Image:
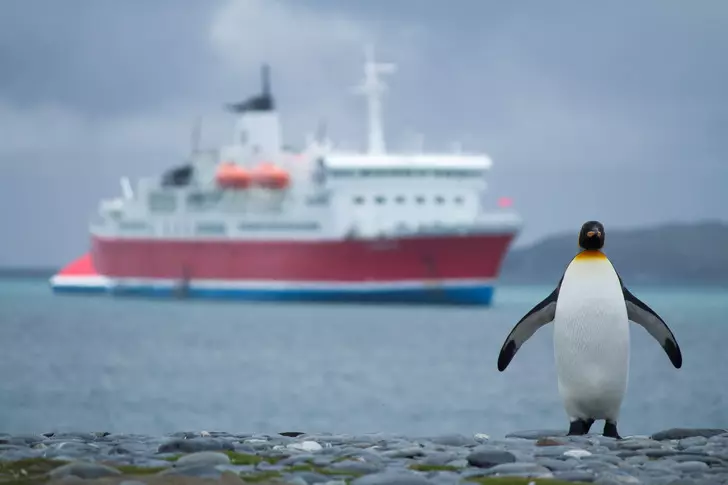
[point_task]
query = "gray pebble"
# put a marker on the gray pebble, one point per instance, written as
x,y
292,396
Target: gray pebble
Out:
x,y
521,469
312,477
454,440
208,458
682,433
575,476
392,478
487,459
410,452
356,467
199,471
387,459
438,458
690,466
616,478
692,441
639,444
195,444
82,469
537,434
557,465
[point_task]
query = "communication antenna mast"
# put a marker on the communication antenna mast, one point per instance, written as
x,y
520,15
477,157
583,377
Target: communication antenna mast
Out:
x,y
372,87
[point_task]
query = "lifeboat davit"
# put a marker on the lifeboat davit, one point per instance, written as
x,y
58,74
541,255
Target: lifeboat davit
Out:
x,y
270,176
231,176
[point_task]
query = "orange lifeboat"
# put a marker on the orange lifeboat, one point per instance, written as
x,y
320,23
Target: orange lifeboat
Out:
x,y
270,176
231,176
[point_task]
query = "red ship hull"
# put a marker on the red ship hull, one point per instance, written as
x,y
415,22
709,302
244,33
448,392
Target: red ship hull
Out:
x,y
458,269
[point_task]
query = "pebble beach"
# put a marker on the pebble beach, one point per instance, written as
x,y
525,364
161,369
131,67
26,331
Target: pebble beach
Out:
x,y
675,456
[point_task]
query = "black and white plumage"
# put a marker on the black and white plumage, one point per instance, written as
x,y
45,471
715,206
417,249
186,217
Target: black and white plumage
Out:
x,y
590,308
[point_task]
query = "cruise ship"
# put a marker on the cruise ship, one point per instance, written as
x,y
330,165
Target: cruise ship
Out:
x,y
256,221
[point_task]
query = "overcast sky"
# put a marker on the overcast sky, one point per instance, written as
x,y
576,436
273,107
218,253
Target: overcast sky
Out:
x,y
615,110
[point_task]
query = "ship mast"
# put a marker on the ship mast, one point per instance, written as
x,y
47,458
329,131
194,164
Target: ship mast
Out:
x,y
372,87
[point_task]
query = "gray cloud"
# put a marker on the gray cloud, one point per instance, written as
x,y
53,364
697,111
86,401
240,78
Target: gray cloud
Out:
x,y
615,111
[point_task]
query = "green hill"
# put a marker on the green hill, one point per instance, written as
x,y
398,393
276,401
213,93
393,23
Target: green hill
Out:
x,y
668,254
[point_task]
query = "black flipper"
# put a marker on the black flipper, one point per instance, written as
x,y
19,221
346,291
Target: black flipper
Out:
x,y
536,318
641,314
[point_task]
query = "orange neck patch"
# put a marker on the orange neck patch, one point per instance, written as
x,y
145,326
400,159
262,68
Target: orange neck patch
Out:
x,y
590,254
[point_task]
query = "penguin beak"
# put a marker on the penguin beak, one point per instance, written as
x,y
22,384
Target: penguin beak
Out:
x,y
594,233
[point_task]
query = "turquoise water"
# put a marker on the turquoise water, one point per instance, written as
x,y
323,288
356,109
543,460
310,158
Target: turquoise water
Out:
x,y
149,366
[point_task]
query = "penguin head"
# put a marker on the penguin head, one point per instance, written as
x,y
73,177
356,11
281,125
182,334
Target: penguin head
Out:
x,y
591,235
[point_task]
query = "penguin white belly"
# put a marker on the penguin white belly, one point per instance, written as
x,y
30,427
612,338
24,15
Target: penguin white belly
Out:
x,y
591,340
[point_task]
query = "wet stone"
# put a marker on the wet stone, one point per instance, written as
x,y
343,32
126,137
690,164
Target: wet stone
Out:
x,y
521,469
410,452
537,434
639,444
195,444
392,478
439,458
312,477
83,470
575,476
199,471
553,451
690,466
659,453
557,465
682,433
200,458
487,459
355,467
692,441
375,459
710,460
616,478
454,440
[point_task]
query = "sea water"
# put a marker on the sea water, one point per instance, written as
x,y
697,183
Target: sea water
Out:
x,y
96,363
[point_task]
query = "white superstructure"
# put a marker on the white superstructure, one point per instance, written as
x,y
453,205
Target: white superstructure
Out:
x,y
322,193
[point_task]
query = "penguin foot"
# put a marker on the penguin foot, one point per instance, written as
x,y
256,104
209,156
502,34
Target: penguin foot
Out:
x,y
580,427
610,430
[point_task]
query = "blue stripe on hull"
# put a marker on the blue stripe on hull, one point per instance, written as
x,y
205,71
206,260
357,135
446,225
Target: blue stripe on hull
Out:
x,y
452,295
79,289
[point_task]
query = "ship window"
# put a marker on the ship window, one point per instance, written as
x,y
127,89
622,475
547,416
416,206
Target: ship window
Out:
x,y
380,200
161,202
359,200
211,228
458,200
202,200
399,199
439,199
341,172
420,199
133,226
279,226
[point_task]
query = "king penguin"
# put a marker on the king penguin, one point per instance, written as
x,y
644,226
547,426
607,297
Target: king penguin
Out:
x,y
591,309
